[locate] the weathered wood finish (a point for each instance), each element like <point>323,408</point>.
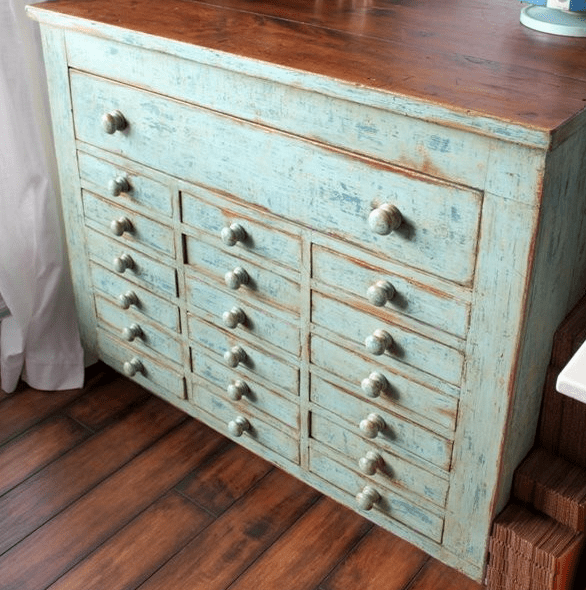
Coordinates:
<point>258,140</point>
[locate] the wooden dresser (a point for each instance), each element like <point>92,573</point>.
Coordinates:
<point>342,232</point>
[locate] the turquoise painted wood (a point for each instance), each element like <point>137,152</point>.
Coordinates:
<point>333,191</point>
<point>285,160</point>
<point>393,471</point>
<point>245,393</point>
<point>130,296</point>
<point>144,194</point>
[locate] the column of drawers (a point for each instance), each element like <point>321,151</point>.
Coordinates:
<point>132,258</point>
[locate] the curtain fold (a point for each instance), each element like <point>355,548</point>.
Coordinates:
<point>39,340</point>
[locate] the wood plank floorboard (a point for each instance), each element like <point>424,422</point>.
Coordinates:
<point>110,488</point>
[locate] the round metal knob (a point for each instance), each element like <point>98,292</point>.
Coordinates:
<point>125,300</point>
<point>237,390</point>
<point>113,121</point>
<point>131,332</point>
<point>384,219</point>
<point>237,426</point>
<point>234,356</point>
<point>233,317</point>
<point>367,498</point>
<point>118,185</point>
<point>132,367</point>
<point>123,262</point>
<point>119,226</point>
<point>380,293</point>
<point>370,463</point>
<point>233,234</point>
<point>372,425</point>
<point>374,384</point>
<point>236,278</point>
<point>378,342</point>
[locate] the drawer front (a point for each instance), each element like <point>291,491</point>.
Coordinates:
<point>258,430</point>
<point>252,320</point>
<point>410,298</point>
<point>144,194</point>
<point>137,230</point>
<point>145,271</point>
<point>256,362</point>
<point>245,393</point>
<point>129,326</point>
<point>262,285</point>
<point>396,433</point>
<point>319,187</point>
<point>392,471</point>
<point>152,370</point>
<point>397,391</point>
<point>130,296</point>
<point>257,238</point>
<point>389,504</point>
<point>407,347</point>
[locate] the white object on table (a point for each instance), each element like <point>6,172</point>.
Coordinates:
<point>572,380</point>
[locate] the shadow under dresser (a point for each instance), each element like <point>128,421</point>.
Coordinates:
<point>341,233</point>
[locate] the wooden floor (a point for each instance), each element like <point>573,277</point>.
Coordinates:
<point>110,488</point>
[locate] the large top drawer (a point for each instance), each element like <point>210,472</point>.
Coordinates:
<point>323,188</point>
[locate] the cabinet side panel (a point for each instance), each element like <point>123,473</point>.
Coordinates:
<point>61,115</point>
<point>495,331</point>
<point>558,282</point>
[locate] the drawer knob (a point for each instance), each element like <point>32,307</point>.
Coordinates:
<point>372,425</point>
<point>131,332</point>
<point>233,317</point>
<point>234,356</point>
<point>123,262</point>
<point>367,498</point>
<point>374,384</point>
<point>370,463</point>
<point>237,390</point>
<point>378,342</point>
<point>125,300</point>
<point>119,226</point>
<point>113,121</point>
<point>236,278</point>
<point>237,426</point>
<point>380,293</point>
<point>132,367</point>
<point>118,185</point>
<point>233,234</point>
<point>385,219</point>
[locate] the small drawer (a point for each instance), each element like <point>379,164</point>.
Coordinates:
<point>139,366</point>
<point>245,425</point>
<point>376,337</point>
<point>381,386</point>
<point>325,189</point>
<point>130,296</point>
<point>376,463</point>
<point>245,393</point>
<point>256,283</point>
<point>134,265</point>
<point>242,317</point>
<point>129,227</point>
<point>143,334</point>
<point>405,296</point>
<point>388,430</point>
<point>122,183</point>
<point>381,500</point>
<point>244,358</point>
<point>240,230</point>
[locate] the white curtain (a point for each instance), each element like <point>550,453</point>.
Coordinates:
<point>39,341</point>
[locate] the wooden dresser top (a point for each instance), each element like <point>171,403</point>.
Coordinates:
<point>471,56</point>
